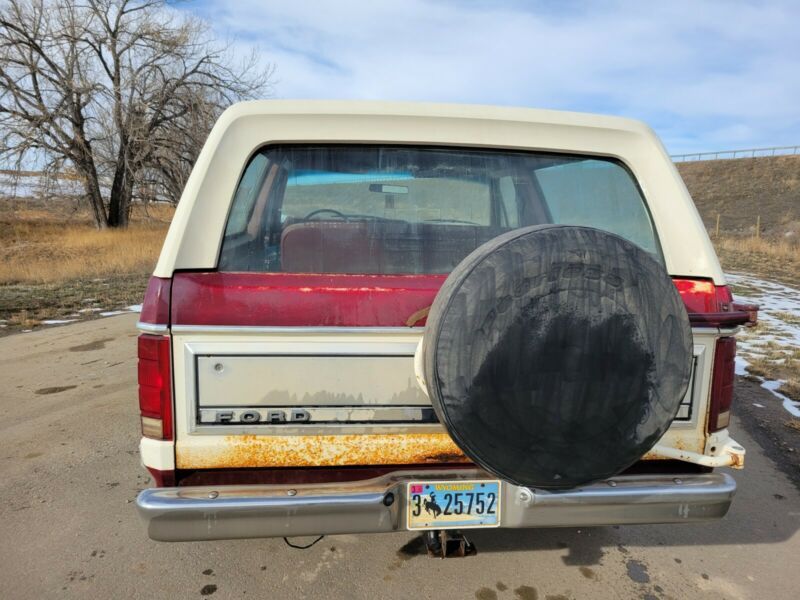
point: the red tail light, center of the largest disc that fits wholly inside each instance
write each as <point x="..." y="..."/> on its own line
<point x="702" y="296"/>
<point x="155" y="308"/>
<point x="155" y="386"/>
<point x="719" y="414"/>
<point x="710" y="305"/>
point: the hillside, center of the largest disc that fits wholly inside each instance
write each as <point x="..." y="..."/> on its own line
<point x="740" y="190"/>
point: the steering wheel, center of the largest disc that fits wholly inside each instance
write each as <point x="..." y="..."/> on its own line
<point x="325" y="210"/>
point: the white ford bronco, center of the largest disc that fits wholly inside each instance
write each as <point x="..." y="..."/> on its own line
<point x="373" y="317"/>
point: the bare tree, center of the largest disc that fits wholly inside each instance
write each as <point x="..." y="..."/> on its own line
<point x="124" y="91"/>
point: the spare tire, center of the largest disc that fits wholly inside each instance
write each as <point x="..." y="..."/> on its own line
<point x="557" y="355"/>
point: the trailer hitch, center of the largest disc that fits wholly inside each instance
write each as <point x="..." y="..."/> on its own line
<point x="443" y="543"/>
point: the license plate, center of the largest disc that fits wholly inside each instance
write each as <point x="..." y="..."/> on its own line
<point x="453" y="504"/>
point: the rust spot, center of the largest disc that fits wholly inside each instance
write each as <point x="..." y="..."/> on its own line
<point x="679" y="443"/>
<point x="737" y="461"/>
<point x="245" y="451"/>
<point x="695" y="444"/>
<point x="445" y="457"/>
<point x="654" y="456"/>
<point x="418" y="316"/>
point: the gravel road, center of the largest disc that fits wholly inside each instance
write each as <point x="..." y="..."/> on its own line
<point x="69" y="472"/>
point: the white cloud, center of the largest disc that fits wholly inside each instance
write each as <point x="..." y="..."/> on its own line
<point x="703" y="74"/>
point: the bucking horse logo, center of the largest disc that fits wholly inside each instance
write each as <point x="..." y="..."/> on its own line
<point x="431" y="507"/>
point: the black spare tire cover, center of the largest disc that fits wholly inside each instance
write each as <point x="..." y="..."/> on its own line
<point x="557" y="355"/>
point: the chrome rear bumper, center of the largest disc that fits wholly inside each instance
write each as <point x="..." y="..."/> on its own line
<point x="378" y="505"/>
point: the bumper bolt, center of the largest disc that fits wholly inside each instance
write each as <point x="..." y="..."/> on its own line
<point x="612" y="483"/>
<point x="678" y="480"/>
<point x="388" y="499"/>
<point x="525" y="496"/>
<point x="213" y="495"/>
<point x="291" y="492"/>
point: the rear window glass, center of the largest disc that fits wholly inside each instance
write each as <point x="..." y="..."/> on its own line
<point x="404" y="210"/>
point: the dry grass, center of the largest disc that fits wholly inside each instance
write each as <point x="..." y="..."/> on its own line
<point x="774" y="248"/>
<point x="55" y="265"/>
<point x="25" y="306"/>
<point x="761" y="367"/>
<point x="792" y="386"/>
<point x="34" y="248"/>
<point x="741" y="193"/>
<point x="741" y="190"/>
<point x="787" y="317"/>
<point x="768" y="258"/>
<point x="776" y="362"/>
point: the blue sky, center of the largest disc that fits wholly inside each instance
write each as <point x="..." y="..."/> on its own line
<point x="706" y="75"/>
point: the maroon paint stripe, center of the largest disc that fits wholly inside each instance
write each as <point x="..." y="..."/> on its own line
<point x="316" y="300"/>
<point x="302" y="300"/>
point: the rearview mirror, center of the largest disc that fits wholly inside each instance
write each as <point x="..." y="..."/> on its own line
<point x="388" y="189"/>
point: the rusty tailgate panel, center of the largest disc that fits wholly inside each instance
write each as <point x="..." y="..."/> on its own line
<point x="242" y="451"/>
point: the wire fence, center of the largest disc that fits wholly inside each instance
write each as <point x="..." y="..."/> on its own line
<point x="744" y="153"/>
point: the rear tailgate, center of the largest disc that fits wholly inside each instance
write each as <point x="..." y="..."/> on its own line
<point x="278" y="370"/>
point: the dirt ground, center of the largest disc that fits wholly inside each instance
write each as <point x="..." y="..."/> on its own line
<point x="772" y="428"/>
<point x="69" y="473"/>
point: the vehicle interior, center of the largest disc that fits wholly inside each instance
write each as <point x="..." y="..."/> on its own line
<point x="404" y="210"/>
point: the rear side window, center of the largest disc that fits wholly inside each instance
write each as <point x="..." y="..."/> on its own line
<point x="410" y="210"/>
<point x="246" y="193"/>
<point x="597" y="193"/>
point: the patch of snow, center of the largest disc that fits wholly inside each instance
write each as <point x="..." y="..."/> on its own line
<point x="133" y="308"/>
<point x="775" y="301"/>
<point x="758" y="405"/>
<point x="57" y="321"/>
<point x="90" y="310"/>
<point x="741" y="364"/>
<point x="789" y="404"/>
<point x="88" y="300"/>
